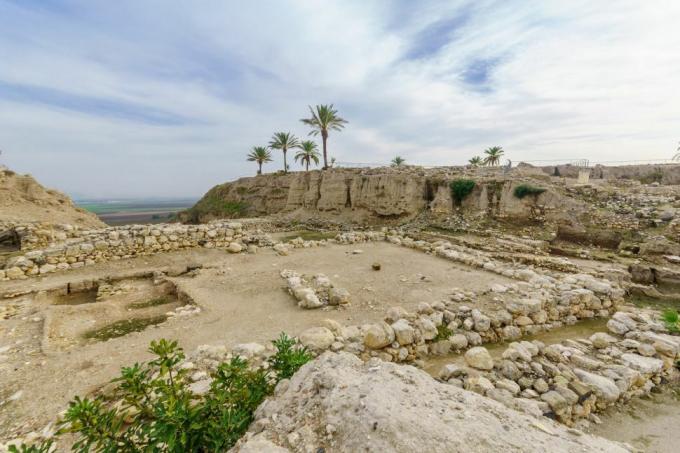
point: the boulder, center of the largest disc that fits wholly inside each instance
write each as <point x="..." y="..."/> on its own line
<point x="602" y="340"/>
<point x="404" y="333"/>
<point x="317" y="338"/>
<point x="338" y="296"/>
<point x="647" y="365"/>
<point x="524" y="306"/>
<point x="479" y="358"/>
<point x="383" y="407"/>
<point x="377" y="336"/>
<point x="603" y="387"/>
<point x="235" y="247"/>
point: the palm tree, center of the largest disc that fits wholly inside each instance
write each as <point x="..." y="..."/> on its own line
<point x="397" y="161"/>
<point x="493" y="155"/>
<point x="284" y="141"/>
<point x="476" y="161"/>
<point x="308" y="153"/>
<point x="323" y="120"/>
<point x="259" y="154"/>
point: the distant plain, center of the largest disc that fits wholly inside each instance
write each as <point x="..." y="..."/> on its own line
<point x="124" y="212"/>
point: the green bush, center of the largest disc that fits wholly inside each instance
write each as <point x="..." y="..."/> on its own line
<point x="672" y="320"/>
<point x="213" y="204"/>
<point x="523" y="190"/>
<point x="461" y="188"/>
<point x="154" y="410"/>
<point x="443" y="333"/>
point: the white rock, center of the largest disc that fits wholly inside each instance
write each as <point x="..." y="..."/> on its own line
<point x="479" y="358"/>
<point x="317" y="338"/>
<point x="647" y="365"/>
<point x="603" y="387"/>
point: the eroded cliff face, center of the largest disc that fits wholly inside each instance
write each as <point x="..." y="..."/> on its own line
<point x="369" y="195"/>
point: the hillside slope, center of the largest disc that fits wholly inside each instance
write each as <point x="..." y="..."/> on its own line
<point x="23" y="199"/>
<point x="377" y="195"/>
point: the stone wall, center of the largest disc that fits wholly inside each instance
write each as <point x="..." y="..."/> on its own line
<point x="571" y="380"/>
<point x="71" y="248"/>
<point x="540" y="300"/>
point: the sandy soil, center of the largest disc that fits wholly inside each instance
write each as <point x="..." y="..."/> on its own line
<point x="242" y="299"/>
<point x="649" y="424"/>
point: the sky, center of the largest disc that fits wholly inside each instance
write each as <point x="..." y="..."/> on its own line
<point x="164" y="98"/>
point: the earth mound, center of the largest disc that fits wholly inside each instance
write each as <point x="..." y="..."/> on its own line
<point x="23" y="199"/>
<point x="337" y="403"/>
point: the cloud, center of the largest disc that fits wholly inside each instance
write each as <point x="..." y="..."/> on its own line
<point x="165" y="98"/>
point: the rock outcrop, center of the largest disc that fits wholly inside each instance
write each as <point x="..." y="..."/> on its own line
<point x="337" y="403"/>
<point x="23" y="199"/>
<point x="375" y="195"/>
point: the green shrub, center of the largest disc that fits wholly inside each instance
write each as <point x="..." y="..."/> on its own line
<point x="672" y="320"/>
<point x="154" y="410"/>
<point x="461" y="188"/>
<point x="443" y="333"/>
<point x="523" y="190"/>
<point x="288" y="358"/>
<point x="214" y="204"/>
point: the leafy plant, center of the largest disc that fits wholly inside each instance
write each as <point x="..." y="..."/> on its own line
<point x="476" y="161"/>
<point x="44" y="447"/>
<point x="261" y="155"/>
<point x="155" y="410"/>
<point x="288" y="358"/>
<point x="284" y="141"/>
<point x="443" y="333"/>
<point x="308" y="153"/>
<point x="398" y="161"/>
<point x="524" y="190"/>
<point x="461" y="188"/>
<point x="493" y="155"/>
<point x="672" y="320"/>
<point x="324" y="119"/>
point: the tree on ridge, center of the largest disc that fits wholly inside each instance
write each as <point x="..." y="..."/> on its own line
<point x="308" y="153"/>
<point x="476" y="161"/>
<point x="259" y="154"/>
<point x="398" y="161"/>
<point x="493" y="155"/>
<point x="284" y="141"/>
<point x="324" y="119"/>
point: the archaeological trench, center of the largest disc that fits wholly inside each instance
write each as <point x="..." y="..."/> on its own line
<point x="523" y="314"/>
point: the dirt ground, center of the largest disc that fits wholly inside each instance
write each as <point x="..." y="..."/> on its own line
<point x="649" y="424"/>
<point x="242" y="298"/>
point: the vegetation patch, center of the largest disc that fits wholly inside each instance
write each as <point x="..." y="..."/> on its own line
<point x="214" y="204"/>
<point x="154" y="410"/>
<point x="124" y="327"/>
<point x="443" y="333"/>
<point x="163" y="300"/>
<point x="671" y="320"/>
<point x="524" y="190"/>
<point x="461" y="188"/>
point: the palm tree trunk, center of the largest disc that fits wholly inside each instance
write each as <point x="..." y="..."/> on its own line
<point x="324" y="137"/>
<point x="259" y="170"/>
<point x="285" y="162"/>
<point x="307" y="165"/>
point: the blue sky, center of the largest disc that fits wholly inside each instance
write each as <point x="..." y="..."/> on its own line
<point x="165" y="98"/>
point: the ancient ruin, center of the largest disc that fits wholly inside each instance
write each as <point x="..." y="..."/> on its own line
<point x="516" y="314"/>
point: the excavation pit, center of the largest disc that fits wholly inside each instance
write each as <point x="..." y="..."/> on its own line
<point x="99" y="311"/>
